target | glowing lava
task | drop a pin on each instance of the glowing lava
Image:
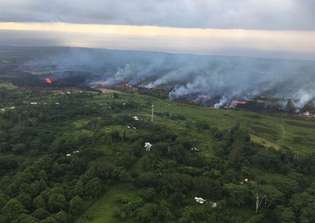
(49, 81)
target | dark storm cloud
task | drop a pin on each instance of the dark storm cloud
(244, 14)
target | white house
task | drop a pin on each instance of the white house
(200, 200)
(147, 146)
(194, 149)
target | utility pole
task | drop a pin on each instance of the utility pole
(152, 113)
(257, 202)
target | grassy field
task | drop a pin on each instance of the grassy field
(273, 130)
(103, 210)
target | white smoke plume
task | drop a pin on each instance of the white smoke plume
(218, 78)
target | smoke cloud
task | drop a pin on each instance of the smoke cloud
(218, 78)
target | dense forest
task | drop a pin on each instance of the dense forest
(61, 152)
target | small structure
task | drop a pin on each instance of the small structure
(214, 204)
(131, 127)
(68, 155)
(136, 118)
(236, 103)
(200, 200)
(308, 114)
(246, 180)
(147, 146)
(76, 151)
(194, 149)
(33, 103)
(6, 109)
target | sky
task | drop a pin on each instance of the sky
(261, 28)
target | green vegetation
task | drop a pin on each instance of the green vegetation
(80, 157)
(7, 86)
(103, 210)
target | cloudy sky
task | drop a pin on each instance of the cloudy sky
(281, 28)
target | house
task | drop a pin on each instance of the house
(308, 114)
(194, 149)
(200, 200)
(147, 146)
(6, 109)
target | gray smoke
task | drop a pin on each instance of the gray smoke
(218, 78)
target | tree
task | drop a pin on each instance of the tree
(285, 214)
(25, 199)
(303, 205)
(49, 220)
(41, 213)
(79, 188)
(61, 217)
(239, 195)
(76, 205)
(147, 213)
(24, 218)
(39, 202)
(93, 187)
(56, 202)
(19, 148)
(13, 209)
(208, 187)
(3, 200)
(196, 214)
(7, 164)
(267, 196)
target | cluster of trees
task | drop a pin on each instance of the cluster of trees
(268, 185)
(50, 173)
(57, 159)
